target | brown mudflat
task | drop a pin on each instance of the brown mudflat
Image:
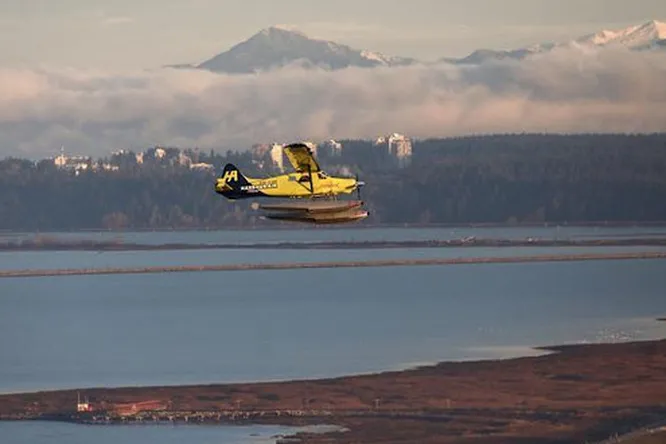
(575, 394)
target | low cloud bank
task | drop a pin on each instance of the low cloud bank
(569, 90)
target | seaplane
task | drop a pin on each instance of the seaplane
(313, 194)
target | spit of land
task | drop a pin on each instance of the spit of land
(572, 393)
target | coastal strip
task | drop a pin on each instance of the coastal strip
(332, 264)
(48, 243)
(576, 393)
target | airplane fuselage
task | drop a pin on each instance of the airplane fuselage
(233, 185)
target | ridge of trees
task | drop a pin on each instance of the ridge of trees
(503, 179)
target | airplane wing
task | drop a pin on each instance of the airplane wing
(301, 158)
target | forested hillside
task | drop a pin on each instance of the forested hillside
(492, 179)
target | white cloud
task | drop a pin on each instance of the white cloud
(94, 112)
(118, 20)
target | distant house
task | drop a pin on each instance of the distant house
(84, 406)
(73, 163)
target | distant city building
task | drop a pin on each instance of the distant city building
(398, 147)
(122, 158)
(82, 406)
(331, 148)
(276, 156)
(259, 150)
(201, 166)
(108, 167)
(259, 153)
(73, 163)
(184, 160)
(161, 155)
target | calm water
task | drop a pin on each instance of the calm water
(58, 332)
(51, 432)
(352, 233)
(92, 259)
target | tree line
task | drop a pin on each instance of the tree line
(502, 179)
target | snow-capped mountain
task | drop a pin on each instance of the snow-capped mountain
(277, 46)
(649, 35)
(642, 36)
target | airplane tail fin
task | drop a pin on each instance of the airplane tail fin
(231, 183)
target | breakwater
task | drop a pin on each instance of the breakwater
(54, 244)
(331, 264)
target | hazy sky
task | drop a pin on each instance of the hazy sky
(122, 34)
(73, 73)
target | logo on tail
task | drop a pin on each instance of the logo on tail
(231, 183)
(230, 176)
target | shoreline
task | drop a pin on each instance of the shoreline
(331, 264)
(530, 351)
(52, 244)
(571, 391)
(290, 227)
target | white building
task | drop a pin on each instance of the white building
(398, 146)
(332, 148)
(401, 148)
(109, 167)
(82, 406)
(276, 156)
(73, 163)
(201, 166)
(259, 150)
(184, 159)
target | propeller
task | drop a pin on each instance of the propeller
(359, 184)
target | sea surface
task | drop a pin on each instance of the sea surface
(65, 433)
(351, 233)
(258, 325)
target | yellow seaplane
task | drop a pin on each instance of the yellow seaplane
(315, 191)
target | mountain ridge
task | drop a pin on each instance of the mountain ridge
(645, 36)
(279, 46)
